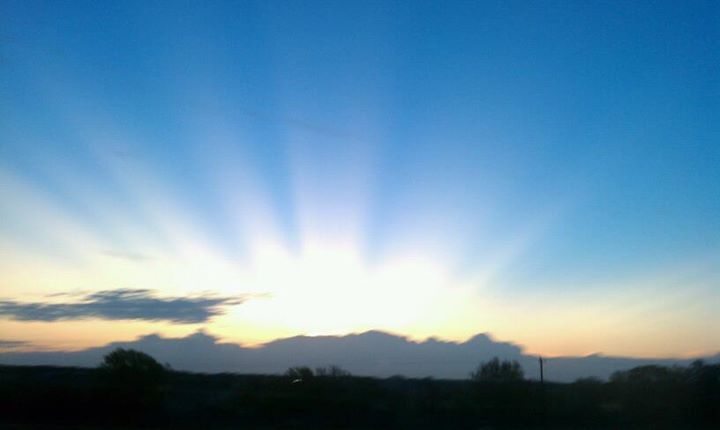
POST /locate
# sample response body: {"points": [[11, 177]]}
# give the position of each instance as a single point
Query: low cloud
{"points": [[123, 304], [371, 353], [10, 344]]}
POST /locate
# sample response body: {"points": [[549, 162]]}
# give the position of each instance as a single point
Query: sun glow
{"points": [[331, 290], [327, 230]]}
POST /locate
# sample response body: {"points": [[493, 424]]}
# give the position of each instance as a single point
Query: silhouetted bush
{"points": [[301, 373], [497, 371], [130, 389]]}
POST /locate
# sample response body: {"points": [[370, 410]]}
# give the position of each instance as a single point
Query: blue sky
{"points": [[551, 149]]}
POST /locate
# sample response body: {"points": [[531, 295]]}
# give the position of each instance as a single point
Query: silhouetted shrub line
{"points": [[130, 388]]}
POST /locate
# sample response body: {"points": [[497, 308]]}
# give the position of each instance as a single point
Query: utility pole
{"points": [[543, 410]]}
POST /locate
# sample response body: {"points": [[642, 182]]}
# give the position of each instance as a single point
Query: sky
{"points": [[548, 172]]}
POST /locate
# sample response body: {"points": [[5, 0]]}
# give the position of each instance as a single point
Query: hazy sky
{"points": [[548, 172]]}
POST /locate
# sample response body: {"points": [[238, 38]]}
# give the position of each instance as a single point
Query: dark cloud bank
{"points": [[123, 304], [372, 353]]}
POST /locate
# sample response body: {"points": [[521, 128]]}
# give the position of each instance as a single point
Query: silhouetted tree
{"points": [[497, 371], [653, 394], [300, 373], [129, 362], [134, 380], [706, 390]]}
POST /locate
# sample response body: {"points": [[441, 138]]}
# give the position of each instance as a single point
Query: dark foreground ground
{"points": [[73, 398]]}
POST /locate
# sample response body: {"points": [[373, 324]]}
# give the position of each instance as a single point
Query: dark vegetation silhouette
{"points": [[304, 373], [497, 371], [134, 382], [131, 389], [297, 374]]}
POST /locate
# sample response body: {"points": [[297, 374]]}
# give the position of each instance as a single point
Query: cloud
{"points": [[130, 256], [123, 304], [10, 344], [372, 353]]}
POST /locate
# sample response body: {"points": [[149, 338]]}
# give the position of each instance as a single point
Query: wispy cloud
{"points": [[130, 256], [124, 304], [11, 344]]}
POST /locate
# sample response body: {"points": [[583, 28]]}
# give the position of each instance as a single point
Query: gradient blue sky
{"points": [[553, 163]]}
